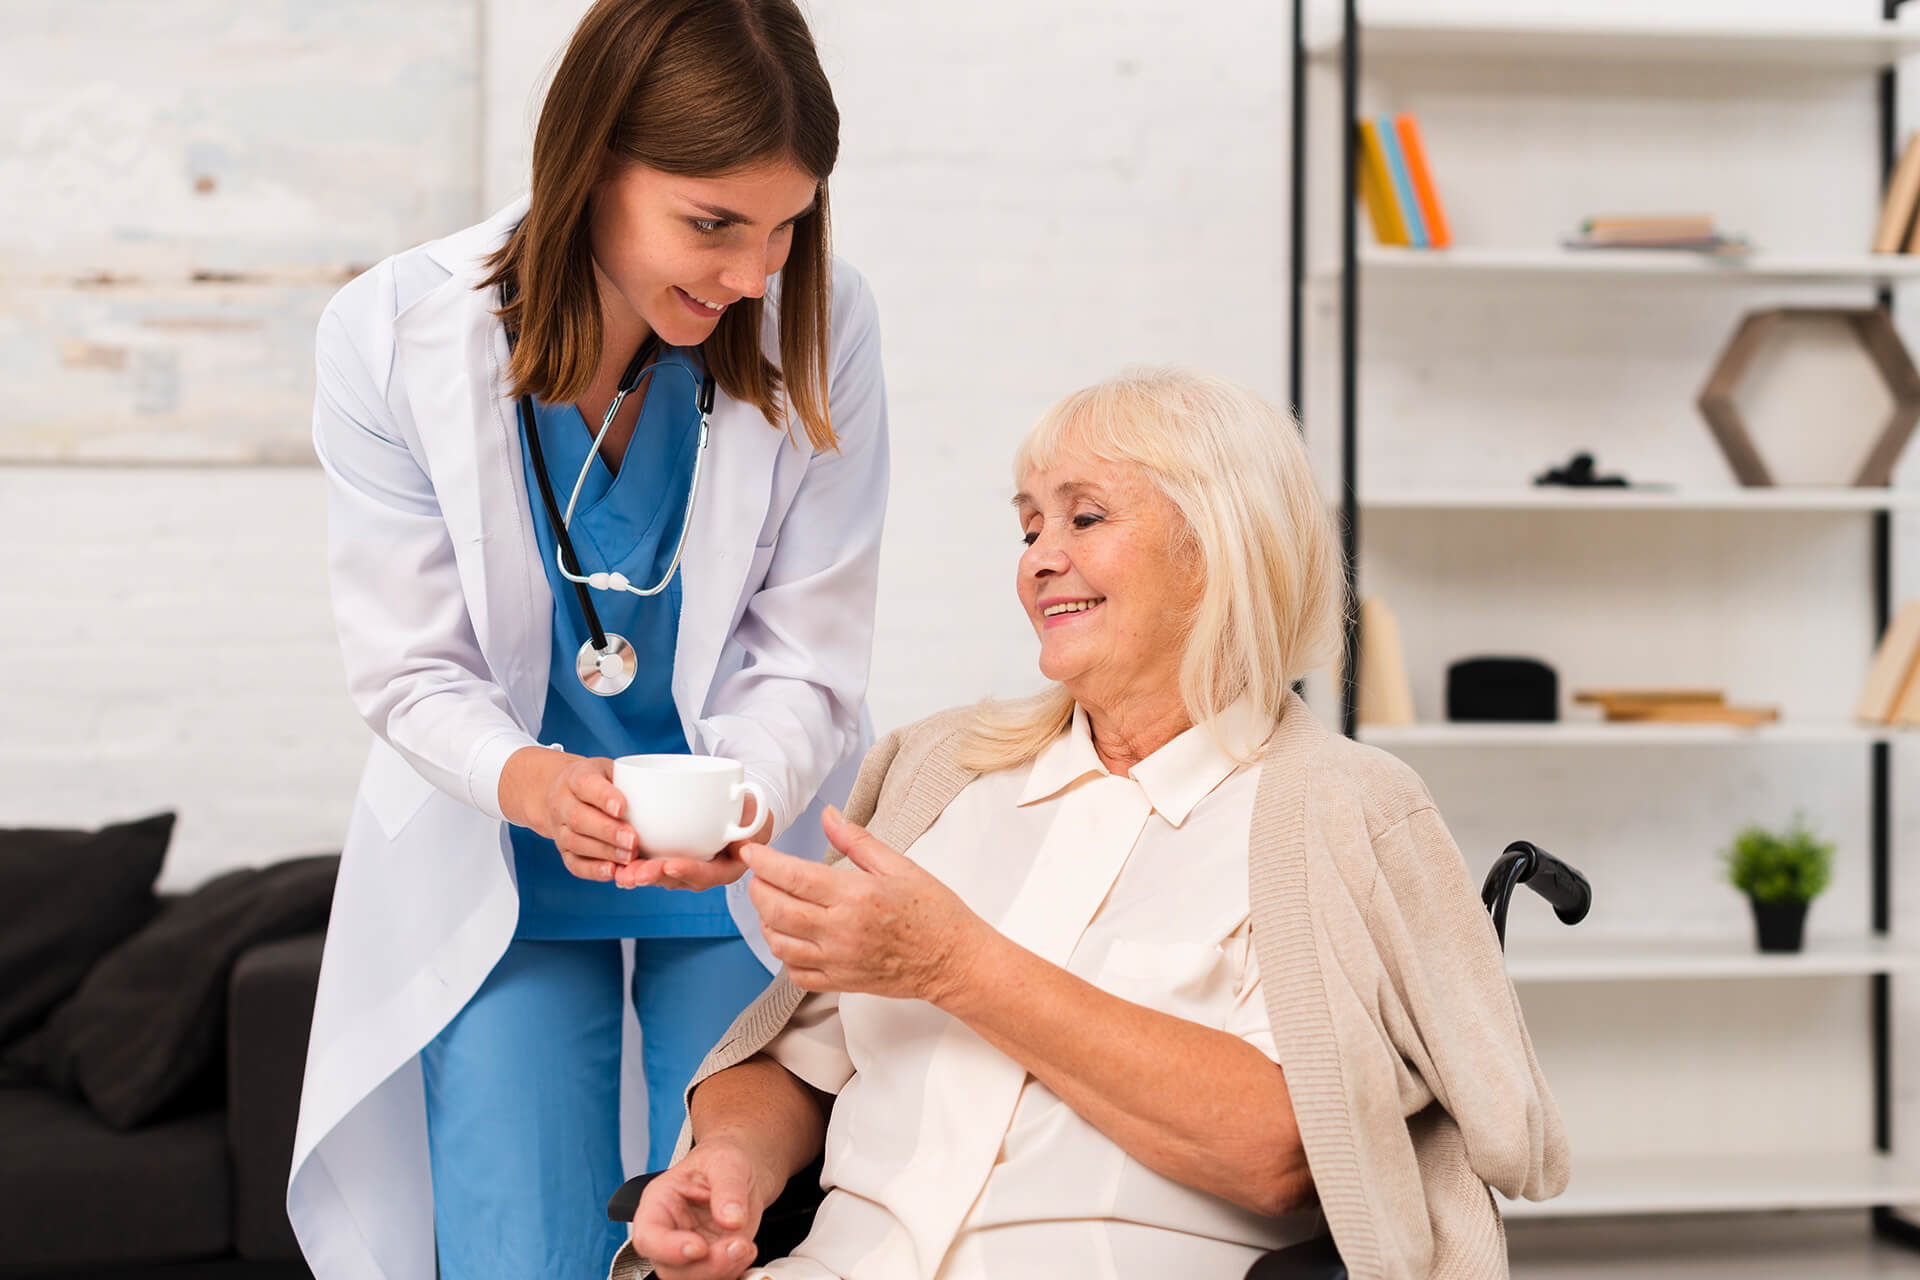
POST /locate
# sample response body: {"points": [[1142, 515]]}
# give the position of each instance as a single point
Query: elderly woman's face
{"points": [[1104, 579]]}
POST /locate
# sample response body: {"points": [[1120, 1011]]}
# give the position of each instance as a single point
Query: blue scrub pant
{"points": [[523, 1095]]}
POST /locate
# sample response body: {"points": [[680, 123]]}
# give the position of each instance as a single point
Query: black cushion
{"points": [[149, 1022], [74, 1192], [269, 1011], [66, 899]]}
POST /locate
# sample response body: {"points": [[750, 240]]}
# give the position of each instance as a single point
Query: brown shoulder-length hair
{"points": [[690, 87]]}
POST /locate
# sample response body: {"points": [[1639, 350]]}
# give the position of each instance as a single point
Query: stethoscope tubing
{"points": [[616, 581], [606, 664], [564, 545]]}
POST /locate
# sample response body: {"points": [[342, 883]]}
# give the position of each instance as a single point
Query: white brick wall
{"points": [[167, 643], [1039, 193]]}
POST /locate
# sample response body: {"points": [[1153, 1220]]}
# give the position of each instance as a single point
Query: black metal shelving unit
{"points": [[1887, 1223]]}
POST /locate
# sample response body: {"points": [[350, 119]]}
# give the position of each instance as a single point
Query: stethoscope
{"points": [[607, 663]]}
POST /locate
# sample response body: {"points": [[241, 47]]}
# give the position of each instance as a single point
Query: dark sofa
{"points": [[198, 1195]]}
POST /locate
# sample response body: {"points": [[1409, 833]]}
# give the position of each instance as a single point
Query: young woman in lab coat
{"points": [[465, 1081]]}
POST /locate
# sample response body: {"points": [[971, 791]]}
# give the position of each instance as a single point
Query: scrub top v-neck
{"points": [[626, 521]]}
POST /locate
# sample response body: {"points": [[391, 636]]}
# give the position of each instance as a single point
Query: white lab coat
{"points": [[445, 620]]}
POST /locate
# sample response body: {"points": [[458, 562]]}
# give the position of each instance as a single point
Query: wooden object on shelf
{"points": [[1602, 697], [1876, 336], [1890, 679], [1906, 712], [1385, 695], [1906, 708], [1691, 713], [1672, 706], [1903, 193]]}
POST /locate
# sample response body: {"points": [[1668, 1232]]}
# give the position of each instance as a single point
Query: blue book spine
{"points": [[1402, 183]]}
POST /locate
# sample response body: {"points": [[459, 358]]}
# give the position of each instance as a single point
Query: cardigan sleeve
{"points": [[1458, 1023]]}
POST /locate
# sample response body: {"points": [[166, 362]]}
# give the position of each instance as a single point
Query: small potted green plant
{"points": [[1780, 872]]}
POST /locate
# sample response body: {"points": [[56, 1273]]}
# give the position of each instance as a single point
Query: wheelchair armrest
{"points": [[1313, 1260], [625, 1202]]}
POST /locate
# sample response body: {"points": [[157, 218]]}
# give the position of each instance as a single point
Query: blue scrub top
{"points": [[627, 522]]}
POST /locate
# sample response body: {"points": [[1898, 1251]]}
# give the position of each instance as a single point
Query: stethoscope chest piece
{"points": [[608, 671]]}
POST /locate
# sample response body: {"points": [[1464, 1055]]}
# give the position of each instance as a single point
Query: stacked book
{"points": [[1690, 231], [1396, 185]]}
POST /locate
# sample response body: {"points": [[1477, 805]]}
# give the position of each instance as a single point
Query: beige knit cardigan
{"points": [[1413, 1079]]}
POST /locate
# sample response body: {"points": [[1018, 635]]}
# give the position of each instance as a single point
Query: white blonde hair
{"points": [[1236, 470]]}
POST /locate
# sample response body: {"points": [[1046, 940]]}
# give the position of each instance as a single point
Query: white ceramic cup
{"points": [[687, 806]]}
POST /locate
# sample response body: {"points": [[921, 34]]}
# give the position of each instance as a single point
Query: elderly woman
{"points": [[1146, 976]]}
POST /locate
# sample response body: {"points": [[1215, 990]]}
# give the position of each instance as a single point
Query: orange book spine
{"points": [[1439, 234]]}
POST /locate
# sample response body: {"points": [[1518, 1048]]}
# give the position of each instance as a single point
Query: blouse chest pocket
{"points": [[1190, 980]]}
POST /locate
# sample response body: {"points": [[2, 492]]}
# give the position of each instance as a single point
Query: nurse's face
{"points": [[676, 252]]}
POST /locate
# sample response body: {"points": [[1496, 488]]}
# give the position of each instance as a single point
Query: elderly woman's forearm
{"points": [[1192, 1103], [765, 1108]]}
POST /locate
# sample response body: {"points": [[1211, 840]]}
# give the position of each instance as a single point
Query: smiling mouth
{"points": [[1070, 607], [715, 307]]}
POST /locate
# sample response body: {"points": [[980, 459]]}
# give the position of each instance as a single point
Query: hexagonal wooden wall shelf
{"points": [[1883, 347]]}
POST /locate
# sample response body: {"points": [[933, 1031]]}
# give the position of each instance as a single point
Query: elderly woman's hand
{"points": [[881, 926], [697, 1220]]}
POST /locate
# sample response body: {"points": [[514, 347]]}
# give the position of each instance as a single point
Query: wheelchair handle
{"points": [[1524, 862]]}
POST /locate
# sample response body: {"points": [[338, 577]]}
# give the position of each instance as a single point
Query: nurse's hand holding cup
{"points": [[670, 820], [570, 800], [690, 815]]}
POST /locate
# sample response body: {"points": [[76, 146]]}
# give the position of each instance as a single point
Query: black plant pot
{"points": [[1780, 926]]}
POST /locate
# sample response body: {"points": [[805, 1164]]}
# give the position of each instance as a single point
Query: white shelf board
{"points": [[1395, 263], [1832, 1244], [1595, 733], [1714, 1184], [1560, 498], [1837, 45], [1692, 959]]}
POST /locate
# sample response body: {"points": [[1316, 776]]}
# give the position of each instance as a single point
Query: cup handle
{"points": [[748, 787]]}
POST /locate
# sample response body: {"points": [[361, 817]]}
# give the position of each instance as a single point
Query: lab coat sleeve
{"points": [[414, 666], [792, 712]]}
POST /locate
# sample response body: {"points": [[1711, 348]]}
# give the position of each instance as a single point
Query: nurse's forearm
{"points": [[761, 1106], [1192, 1103], [526, 783]]}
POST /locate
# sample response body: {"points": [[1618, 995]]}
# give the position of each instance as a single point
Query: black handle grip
{"points": [[1565, 889], [1524, 862]]}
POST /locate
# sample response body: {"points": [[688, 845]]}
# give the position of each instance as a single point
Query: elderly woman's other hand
{"points": [[882, 926], [696, 1221]]}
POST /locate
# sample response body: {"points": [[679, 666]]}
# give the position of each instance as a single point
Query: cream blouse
{"points": [[1413, 1079], [945, 1160]]}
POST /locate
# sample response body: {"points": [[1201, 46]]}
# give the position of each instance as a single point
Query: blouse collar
{"points": [[1175, 778]]}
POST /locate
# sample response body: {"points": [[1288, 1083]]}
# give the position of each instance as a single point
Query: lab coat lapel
{"points": [[451, 354], [735, 488]]}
